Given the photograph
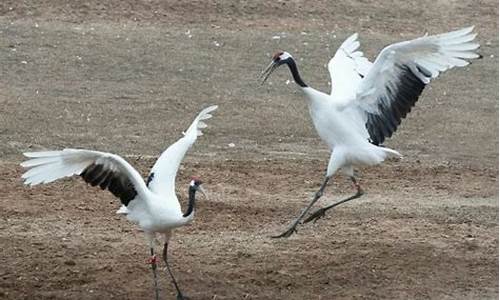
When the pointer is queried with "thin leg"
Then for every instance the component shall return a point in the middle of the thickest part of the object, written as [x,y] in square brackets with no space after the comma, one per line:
[292,228]
[315,216]
[179,293]
[154,266]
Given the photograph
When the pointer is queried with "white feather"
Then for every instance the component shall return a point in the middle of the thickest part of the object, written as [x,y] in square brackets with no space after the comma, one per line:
[165,168]
[39,161]
[345,68]
[42,154]
[462,47]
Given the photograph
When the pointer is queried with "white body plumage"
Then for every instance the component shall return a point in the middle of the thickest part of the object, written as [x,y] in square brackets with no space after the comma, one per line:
[344,133]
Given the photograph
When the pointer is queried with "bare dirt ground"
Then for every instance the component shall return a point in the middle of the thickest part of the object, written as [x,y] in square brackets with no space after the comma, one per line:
[128,77]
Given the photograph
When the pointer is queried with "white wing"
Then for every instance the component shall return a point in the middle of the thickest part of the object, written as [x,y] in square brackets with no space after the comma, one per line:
[400,73]
[97,168]
[161,179]
[347,67]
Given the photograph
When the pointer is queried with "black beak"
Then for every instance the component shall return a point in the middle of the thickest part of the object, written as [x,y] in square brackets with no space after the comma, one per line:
[270,68]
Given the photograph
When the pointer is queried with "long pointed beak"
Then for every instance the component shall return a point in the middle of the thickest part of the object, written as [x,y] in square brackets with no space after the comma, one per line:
[202,190]
[267,71]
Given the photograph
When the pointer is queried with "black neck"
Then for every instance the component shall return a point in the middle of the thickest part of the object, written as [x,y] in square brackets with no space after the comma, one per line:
[295,72]
[190,209]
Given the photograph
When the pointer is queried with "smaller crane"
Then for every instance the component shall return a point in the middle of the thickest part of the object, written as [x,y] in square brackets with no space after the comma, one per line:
[153,204]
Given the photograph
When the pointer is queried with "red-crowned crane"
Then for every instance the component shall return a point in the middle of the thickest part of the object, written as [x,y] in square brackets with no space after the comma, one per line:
[368,100]
[153,204]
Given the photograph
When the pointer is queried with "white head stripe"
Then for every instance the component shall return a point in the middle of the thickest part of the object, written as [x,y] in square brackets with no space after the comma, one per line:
[285,55]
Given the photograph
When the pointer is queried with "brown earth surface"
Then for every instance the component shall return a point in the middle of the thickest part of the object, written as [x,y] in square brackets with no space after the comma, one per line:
[128,76]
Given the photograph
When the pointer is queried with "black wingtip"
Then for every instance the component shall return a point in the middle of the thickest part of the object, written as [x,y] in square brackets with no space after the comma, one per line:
[480,56]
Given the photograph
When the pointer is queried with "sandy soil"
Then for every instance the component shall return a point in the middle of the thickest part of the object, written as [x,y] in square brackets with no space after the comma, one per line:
[128,77]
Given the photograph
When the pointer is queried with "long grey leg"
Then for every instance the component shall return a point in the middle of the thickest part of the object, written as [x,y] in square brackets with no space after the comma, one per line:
[179,293]
[292,228]
[321,212]
[154,266]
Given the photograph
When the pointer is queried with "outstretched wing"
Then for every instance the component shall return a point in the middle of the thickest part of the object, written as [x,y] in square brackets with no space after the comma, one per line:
[161,179]
[401,71]
[106,170]
[347,67]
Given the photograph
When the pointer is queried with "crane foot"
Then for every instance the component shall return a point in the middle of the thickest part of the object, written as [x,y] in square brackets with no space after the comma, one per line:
[287,233]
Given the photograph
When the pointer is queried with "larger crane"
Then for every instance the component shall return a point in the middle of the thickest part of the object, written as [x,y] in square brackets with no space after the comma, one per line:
[368,100]
[153,204]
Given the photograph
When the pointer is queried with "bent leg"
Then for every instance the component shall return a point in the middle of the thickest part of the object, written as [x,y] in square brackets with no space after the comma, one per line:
[321,212]
[292,228]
